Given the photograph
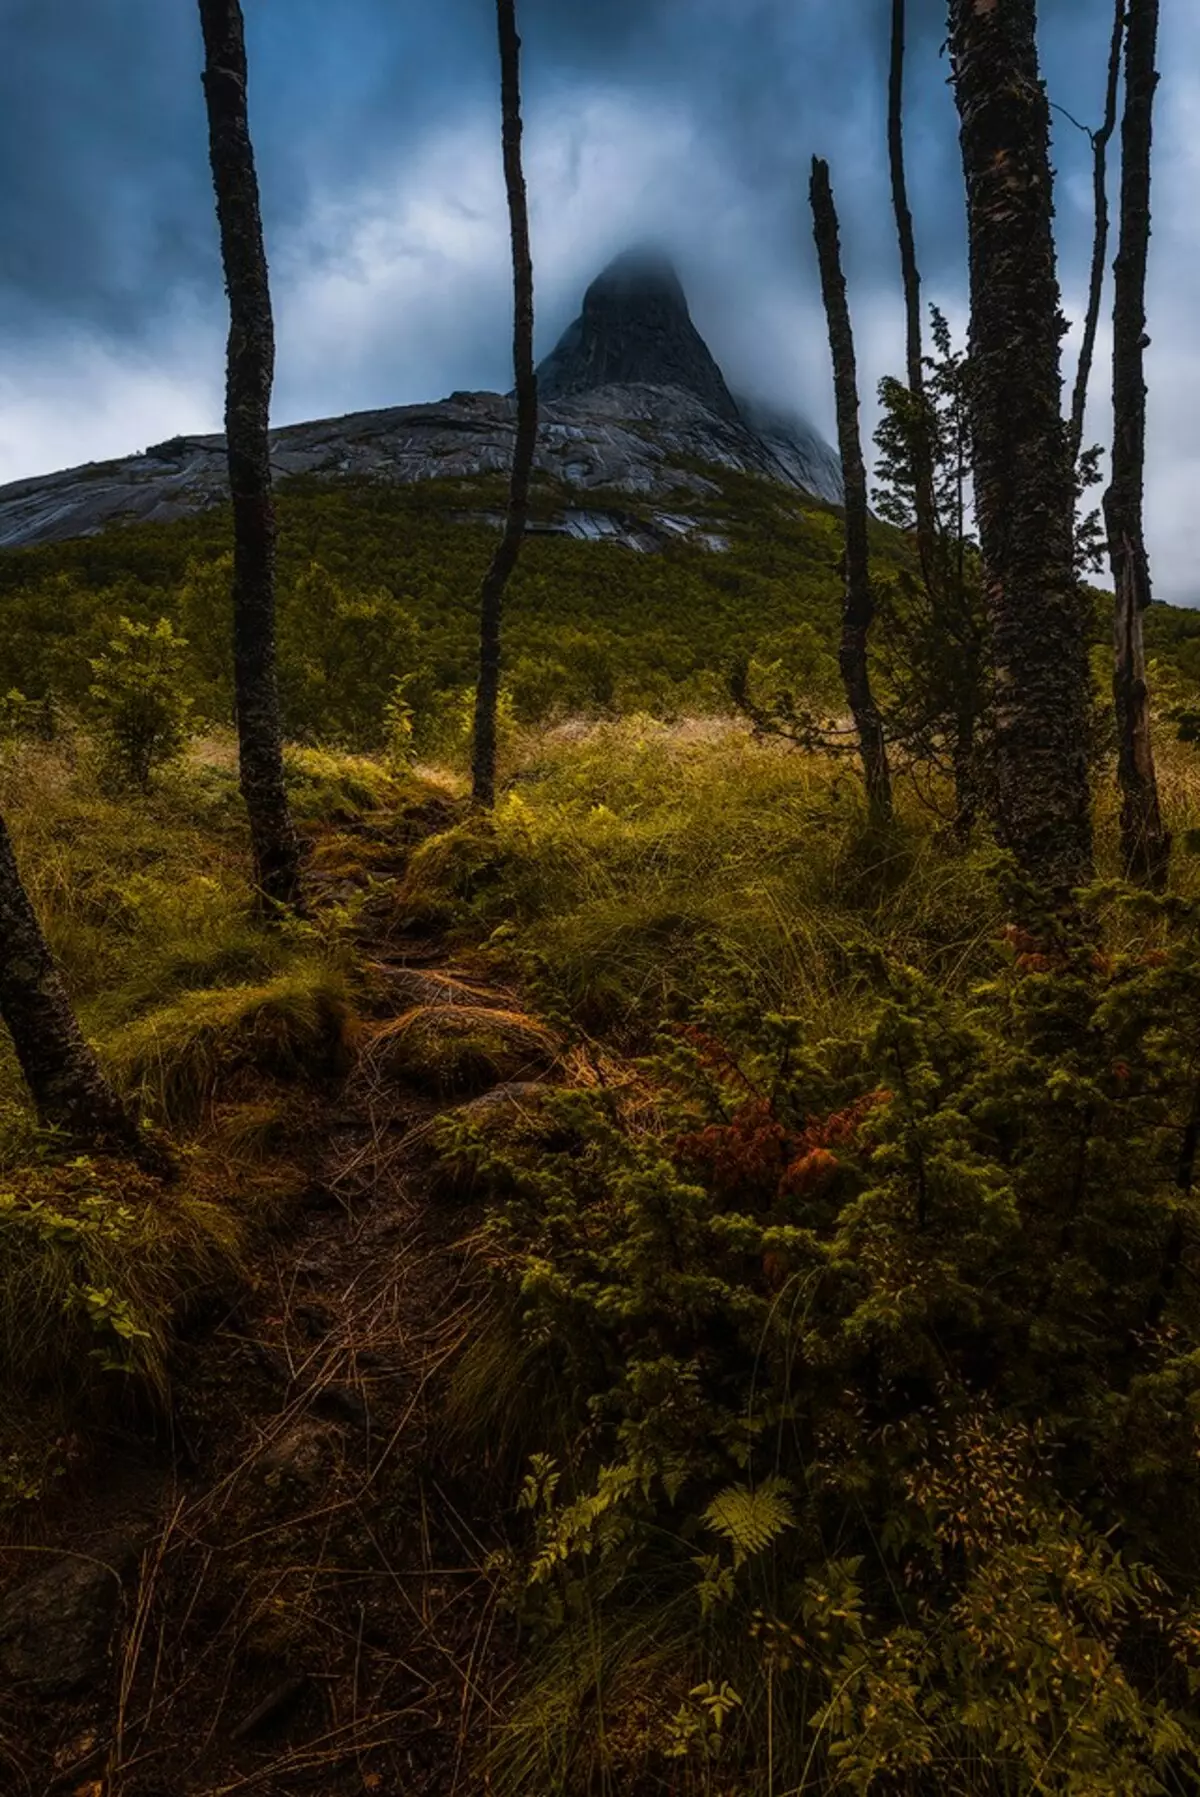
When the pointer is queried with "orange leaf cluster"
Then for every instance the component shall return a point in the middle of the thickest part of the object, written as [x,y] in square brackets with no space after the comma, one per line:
[752,1157]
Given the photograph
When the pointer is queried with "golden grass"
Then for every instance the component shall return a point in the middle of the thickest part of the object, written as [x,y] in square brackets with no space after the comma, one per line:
[452,1050]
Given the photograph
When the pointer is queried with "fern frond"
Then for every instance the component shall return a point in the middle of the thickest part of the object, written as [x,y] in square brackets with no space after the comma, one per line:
[751,1519]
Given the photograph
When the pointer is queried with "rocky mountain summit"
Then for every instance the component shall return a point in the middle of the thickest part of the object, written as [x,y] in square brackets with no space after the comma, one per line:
[635,330]
[633,402]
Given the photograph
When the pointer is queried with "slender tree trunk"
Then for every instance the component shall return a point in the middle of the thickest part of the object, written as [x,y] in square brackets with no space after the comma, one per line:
[1024,478]
[922,446]
[251,371]
[859,607]
[496,580]
[62,1073]
[1145,842]
[1100,142]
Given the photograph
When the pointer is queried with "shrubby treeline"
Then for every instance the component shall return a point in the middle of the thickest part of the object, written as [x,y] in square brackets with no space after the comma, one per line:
[379,586]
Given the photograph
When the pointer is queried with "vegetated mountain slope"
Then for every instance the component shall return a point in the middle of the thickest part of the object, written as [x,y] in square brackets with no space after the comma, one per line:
[633,404]
[376,580]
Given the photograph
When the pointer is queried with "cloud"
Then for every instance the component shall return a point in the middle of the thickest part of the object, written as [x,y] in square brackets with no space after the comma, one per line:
[82,397]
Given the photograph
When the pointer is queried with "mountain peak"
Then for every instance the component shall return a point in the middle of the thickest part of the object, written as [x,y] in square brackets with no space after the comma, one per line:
[635,330]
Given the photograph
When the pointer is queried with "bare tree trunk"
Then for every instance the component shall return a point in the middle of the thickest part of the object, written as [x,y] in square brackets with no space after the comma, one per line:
[859,606]
[496,580]
[1145,842]
[1100,142]
[250,374]
[922,447]
[62,1073]
[1024,477]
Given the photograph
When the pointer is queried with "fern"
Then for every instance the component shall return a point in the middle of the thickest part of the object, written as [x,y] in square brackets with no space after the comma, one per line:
[751,1519]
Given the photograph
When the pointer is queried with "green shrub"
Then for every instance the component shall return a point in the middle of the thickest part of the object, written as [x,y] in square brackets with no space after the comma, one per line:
[138,704]
[879,1382]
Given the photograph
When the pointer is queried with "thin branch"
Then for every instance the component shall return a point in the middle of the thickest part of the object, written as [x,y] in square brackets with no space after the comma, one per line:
[1099,141]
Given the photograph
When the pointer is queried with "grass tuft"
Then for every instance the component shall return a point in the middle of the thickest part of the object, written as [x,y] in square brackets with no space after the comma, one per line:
[454,1050]
[180,1060]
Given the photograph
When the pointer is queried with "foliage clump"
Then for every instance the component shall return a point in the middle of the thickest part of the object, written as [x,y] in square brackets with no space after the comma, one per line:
[876,1371]
[97,1262]
[138,704]
[178,1060]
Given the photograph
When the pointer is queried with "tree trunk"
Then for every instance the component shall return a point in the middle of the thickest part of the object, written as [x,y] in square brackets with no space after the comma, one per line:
[1145,842]
[1024,477]
[859,605]
[62,1073]
[922,447]
[251,370]
[1100,142]
[496,580]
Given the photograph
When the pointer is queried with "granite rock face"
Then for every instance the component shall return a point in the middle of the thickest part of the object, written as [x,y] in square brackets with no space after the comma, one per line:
[632,403]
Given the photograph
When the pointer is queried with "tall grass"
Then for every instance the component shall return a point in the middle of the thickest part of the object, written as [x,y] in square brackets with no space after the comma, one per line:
[645,868]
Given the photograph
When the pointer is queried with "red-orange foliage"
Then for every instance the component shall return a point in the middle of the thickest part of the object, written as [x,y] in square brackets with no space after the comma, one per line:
[745,1157]
[713,1055]
[809,1174]
[754,1158]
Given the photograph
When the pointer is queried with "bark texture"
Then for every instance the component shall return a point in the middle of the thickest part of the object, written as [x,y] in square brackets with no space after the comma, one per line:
[1100,142]
[1145,841]
[62,1073]
[250,374]
[1024,476]
[922,447]
[491,608]
[859,605]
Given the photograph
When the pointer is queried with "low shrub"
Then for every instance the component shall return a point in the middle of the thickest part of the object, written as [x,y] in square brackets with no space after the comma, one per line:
[137,701]
[97,1262]
[873,1463]
[327,786]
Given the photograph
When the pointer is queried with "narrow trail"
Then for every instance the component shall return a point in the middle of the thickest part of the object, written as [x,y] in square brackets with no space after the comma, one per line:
[304,1605]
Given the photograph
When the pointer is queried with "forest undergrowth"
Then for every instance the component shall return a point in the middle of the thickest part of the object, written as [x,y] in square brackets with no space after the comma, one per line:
[830,1393]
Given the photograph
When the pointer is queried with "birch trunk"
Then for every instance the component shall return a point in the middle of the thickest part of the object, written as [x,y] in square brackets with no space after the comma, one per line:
[1091,324]
[922,446]
[1145,841]
[859,605]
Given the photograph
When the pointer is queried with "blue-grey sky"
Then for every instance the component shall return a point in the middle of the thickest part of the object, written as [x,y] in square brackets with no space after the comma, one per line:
[691,121]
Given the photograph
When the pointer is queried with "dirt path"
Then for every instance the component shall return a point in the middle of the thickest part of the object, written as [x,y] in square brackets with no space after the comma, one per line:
[303,1604]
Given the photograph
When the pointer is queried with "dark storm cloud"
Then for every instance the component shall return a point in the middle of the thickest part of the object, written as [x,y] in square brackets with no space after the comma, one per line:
[374,121]
[104,204]
[94,198]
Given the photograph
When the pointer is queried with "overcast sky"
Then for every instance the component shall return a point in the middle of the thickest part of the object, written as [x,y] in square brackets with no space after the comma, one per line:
[689,121]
